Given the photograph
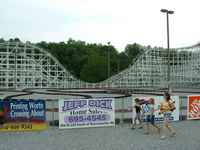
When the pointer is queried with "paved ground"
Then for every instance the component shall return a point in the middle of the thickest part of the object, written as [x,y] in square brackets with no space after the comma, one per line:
[111,138]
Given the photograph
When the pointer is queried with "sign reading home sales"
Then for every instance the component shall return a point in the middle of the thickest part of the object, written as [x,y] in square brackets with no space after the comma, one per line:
[193,108]
[158,100]
[80,113]
[23,115]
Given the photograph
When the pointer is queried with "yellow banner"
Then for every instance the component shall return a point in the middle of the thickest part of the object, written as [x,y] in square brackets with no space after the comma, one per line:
[23,126]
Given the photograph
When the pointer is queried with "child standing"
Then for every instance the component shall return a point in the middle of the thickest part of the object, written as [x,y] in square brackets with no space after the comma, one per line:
[150,117]
[137,108]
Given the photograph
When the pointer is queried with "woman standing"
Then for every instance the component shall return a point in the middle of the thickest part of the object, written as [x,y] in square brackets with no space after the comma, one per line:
[166,108]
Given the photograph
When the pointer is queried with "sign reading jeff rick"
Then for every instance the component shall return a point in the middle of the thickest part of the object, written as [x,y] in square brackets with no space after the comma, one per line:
[79,113]
[193,110]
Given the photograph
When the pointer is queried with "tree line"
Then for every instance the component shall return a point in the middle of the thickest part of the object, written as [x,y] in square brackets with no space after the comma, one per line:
[90,62]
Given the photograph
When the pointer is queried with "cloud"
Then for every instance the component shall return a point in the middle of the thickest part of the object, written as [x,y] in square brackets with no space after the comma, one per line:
[118,21]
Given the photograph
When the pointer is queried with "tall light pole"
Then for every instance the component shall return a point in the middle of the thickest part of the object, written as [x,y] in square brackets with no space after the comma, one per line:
[108,73]
[168,51]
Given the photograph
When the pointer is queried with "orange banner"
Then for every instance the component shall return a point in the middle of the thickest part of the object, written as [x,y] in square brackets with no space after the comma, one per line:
[193,110]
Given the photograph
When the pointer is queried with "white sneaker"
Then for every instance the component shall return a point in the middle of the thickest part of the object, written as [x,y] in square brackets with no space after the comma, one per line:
[162,137]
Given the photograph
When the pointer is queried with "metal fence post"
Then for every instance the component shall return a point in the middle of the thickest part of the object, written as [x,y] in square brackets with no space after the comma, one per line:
[122,115]
[52,112]
[180,108]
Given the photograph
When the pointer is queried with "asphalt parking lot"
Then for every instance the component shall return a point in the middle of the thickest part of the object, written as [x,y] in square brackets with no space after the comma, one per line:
[120,137]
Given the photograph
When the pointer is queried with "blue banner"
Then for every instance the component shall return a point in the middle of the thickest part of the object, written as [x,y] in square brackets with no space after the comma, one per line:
[23,115]
[22,110]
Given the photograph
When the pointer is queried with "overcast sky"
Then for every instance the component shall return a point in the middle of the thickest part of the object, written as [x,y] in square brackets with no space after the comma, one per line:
[100,21]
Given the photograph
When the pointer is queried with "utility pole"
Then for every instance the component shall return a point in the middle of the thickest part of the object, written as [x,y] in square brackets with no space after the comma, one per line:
[168,48]
[108,52]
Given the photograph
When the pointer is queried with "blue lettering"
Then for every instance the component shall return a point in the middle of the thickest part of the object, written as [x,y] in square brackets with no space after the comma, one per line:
[106,104]
[69,105]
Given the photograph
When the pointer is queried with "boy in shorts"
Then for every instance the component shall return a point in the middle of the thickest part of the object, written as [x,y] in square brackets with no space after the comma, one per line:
[150,117]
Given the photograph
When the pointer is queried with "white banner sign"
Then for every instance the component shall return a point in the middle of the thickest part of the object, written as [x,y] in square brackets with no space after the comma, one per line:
[158,100]
[80,113]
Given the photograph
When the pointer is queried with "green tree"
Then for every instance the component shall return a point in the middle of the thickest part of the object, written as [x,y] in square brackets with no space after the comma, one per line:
[123,61]
[95,69]
[132,50]
[2,40]
[89,61]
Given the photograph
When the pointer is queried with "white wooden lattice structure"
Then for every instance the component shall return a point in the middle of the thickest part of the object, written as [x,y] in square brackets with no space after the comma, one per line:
[27,66]
[150,70]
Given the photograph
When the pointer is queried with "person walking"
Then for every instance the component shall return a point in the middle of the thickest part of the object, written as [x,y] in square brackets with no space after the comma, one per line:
[150,117]
[166,108]
[137,108]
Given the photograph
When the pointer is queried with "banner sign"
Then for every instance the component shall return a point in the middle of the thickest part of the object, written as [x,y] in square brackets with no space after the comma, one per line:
[193,108]
[80,113]
[158,99]
[22,115]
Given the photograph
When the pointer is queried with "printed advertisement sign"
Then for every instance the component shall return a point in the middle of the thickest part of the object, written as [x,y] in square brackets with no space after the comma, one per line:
[80,113]
[158,99]
[193,109]
[22,115]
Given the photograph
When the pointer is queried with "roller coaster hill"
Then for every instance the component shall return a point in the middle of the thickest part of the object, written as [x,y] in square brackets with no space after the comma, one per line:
[24,65]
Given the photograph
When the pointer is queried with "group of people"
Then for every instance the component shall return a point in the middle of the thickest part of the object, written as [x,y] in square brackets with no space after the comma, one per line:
[147,114]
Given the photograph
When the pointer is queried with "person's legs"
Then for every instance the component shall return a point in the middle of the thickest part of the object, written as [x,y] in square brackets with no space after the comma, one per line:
[134,123]
[163,136]
[167,124]
[146,128]
[169,127]
[163,128]
[140,120]
[153,123]
[157,127]
[148,120]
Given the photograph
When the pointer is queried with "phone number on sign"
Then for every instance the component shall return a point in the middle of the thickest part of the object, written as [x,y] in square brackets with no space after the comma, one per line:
[88,118]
